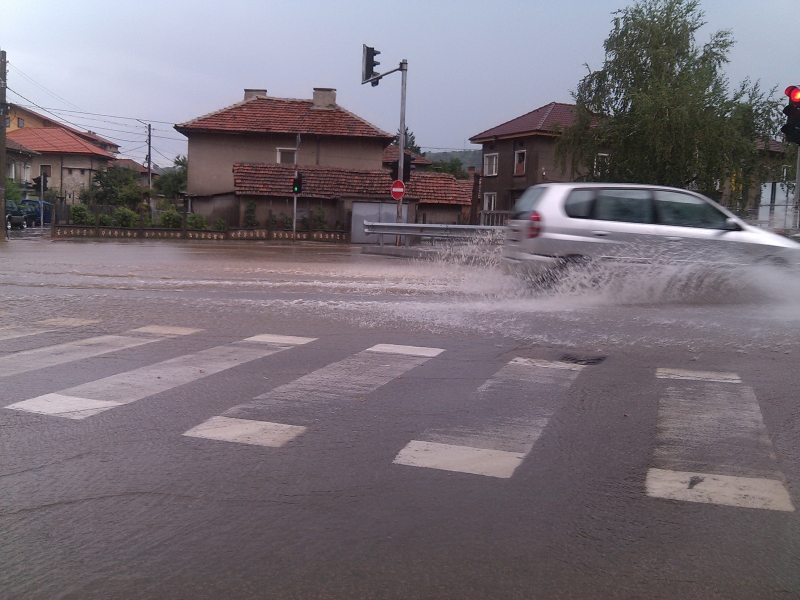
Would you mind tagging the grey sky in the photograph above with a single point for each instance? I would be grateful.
(472, 65)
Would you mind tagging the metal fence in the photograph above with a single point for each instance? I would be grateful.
(495, 218)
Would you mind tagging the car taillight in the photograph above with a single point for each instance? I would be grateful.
(535, 225)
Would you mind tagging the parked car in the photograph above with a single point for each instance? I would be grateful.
(559, 223)
(15, 216)
(32, 212)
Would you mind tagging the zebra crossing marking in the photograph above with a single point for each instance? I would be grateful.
(352, 377)
(17, 331)
(698, 375)
(50, 356)
(713, 447)
(497, 446)
(245, 431)
(92, 398)
(746, 492)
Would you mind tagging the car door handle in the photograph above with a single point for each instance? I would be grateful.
(601, 233)
(672, 238)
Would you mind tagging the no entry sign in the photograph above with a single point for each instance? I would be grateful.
(398, 190)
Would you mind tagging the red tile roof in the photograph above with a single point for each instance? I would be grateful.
(89, 136)
(391, 152)
(263, 114)
(55, 140)
(14, 146)
(545, 119)
(329, 182)
(127, 163)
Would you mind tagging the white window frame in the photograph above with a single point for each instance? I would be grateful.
(489, 201)
(12, 170)
(26, 173)
(487, 160)
(524, 160)
(20, 123)
(292, 150)
(599, 157)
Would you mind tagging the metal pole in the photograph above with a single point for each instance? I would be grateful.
(796, 203)
(401, 139)
(294, 207)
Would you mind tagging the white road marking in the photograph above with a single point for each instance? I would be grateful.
(49, 356)
(280, 339)
(531, 388)
(713, 446)
(165, 330)
(146, 381)
(246, 431)
(18, 331)
(61, 405)
(350, 379)
(698, 375)
(408, 350)
(747, 492)
(463, 459)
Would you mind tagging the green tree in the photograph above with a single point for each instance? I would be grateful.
(173, 180)
(660, 110)
(454, 166)
(13, 191)
(116, 186)
(410, 142)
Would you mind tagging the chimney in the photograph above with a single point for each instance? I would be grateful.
(324, 98)
(471, 170)
(251, 93)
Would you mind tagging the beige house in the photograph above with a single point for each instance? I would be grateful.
(18, 162)
(268, 130)
(69, 161)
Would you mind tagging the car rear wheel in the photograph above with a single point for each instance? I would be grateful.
(24, 224)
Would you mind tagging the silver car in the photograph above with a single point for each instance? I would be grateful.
(558, 223)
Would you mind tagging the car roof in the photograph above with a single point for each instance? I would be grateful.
(594, 184)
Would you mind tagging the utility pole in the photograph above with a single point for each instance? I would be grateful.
(3, 113)
(150, 173)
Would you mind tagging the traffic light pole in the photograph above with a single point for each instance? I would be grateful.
(797, 187)
(401, 139)
(294, 205)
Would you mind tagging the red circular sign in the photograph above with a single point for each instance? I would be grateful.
(398, 190)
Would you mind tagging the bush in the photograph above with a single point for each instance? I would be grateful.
(220, 225)
(80, 215)
(285, 221)
(272, 222)
(318, 219)
(171, 219)
(250, 215)
(103, 220)
(125, 217)
(194, 221)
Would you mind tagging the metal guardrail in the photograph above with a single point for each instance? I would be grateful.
(430, 230)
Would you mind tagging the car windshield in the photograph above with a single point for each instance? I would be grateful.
(528, 200)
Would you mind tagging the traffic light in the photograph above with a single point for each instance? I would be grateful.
(297, 184)
(792, 128)
(37, 183)
(406, 169)
(368, 64)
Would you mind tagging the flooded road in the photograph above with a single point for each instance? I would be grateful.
(249, 420)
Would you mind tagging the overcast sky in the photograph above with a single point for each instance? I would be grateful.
(471, 65)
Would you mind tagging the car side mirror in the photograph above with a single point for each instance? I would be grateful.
(732, 225)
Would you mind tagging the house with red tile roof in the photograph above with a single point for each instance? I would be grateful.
(343, 193)
(140, 170)
(20, 117)
(418, 163)
(520, 153)
(69, 160)
(267, 130)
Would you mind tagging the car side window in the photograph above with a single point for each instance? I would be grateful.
(579, 204)
(685, 210)
(625, 205)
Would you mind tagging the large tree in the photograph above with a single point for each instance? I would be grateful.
(660, 109)
(173, 180)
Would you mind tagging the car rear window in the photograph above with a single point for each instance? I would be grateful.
(528, 200)
(685, 210)
(579, 204)
(627, 206)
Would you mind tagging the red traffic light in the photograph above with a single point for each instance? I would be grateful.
(793, 92)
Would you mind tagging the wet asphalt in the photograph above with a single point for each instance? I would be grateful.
(121, 504)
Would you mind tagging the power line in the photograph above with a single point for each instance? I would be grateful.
(39, 85)
(83, 112)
